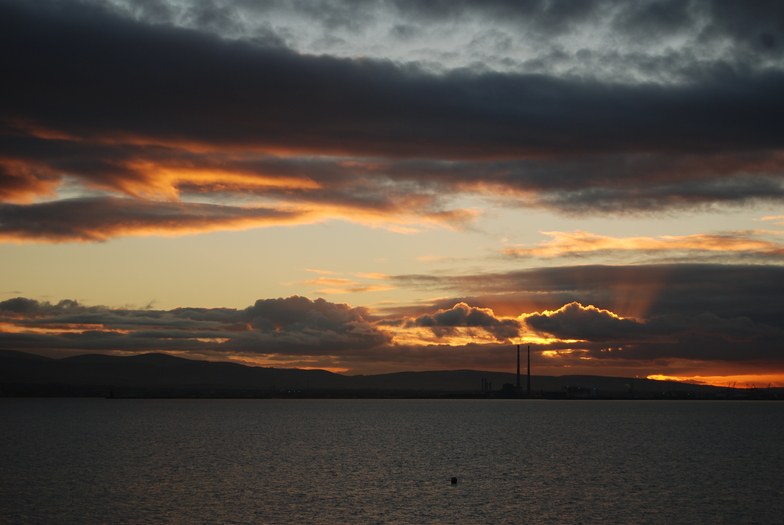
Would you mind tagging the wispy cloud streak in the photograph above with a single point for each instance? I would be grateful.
(579, 243)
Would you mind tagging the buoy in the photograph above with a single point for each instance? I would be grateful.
(454, 481)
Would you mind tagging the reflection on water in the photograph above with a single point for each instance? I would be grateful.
(390, 461)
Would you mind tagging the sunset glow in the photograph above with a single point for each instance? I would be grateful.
(424, 191)
(732, 381)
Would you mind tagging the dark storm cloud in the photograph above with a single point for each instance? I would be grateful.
(636, 182)
(444, 322)
(727, 291)
(652, 197)
(296, 329)
(575, 321)
(299, 325)
(291, 326)
(552, 15)
(746, 25)
(109, 102)
(616, 314)
(83, 72)
(101, 218)
(651, 19)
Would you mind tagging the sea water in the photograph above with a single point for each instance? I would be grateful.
(92, 461)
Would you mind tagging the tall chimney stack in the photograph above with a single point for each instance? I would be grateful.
(518, 369)
(529, 370)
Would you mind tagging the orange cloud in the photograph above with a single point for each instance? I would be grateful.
(355, 289)
(22, 182)
(373, 275)
(162, 181)
(577, 242)
(329, 282)
(338, 285)
(778, 218)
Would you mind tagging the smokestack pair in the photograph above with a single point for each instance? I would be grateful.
(529, 370)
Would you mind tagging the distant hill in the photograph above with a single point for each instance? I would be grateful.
(162, 375)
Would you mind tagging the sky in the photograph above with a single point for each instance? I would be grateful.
(393, 185)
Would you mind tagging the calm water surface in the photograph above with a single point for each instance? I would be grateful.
(390, 461)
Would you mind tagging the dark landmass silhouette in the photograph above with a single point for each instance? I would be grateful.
(163, 375)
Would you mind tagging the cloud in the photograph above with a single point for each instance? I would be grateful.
(214, 109)
(574, 321)
(22, 308)
(392, 194)
(297, 331)
(330, 281)
(355, 289)
(702, 337)
(651, 41)
(101, 218)
(444, 322)
(638, 291)
(162, 117)
(778, 218)
(157, 177)
(340, 285)
(271, 328)
(579, 243)
(240, 95)
(320, 272)
(373, 275)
